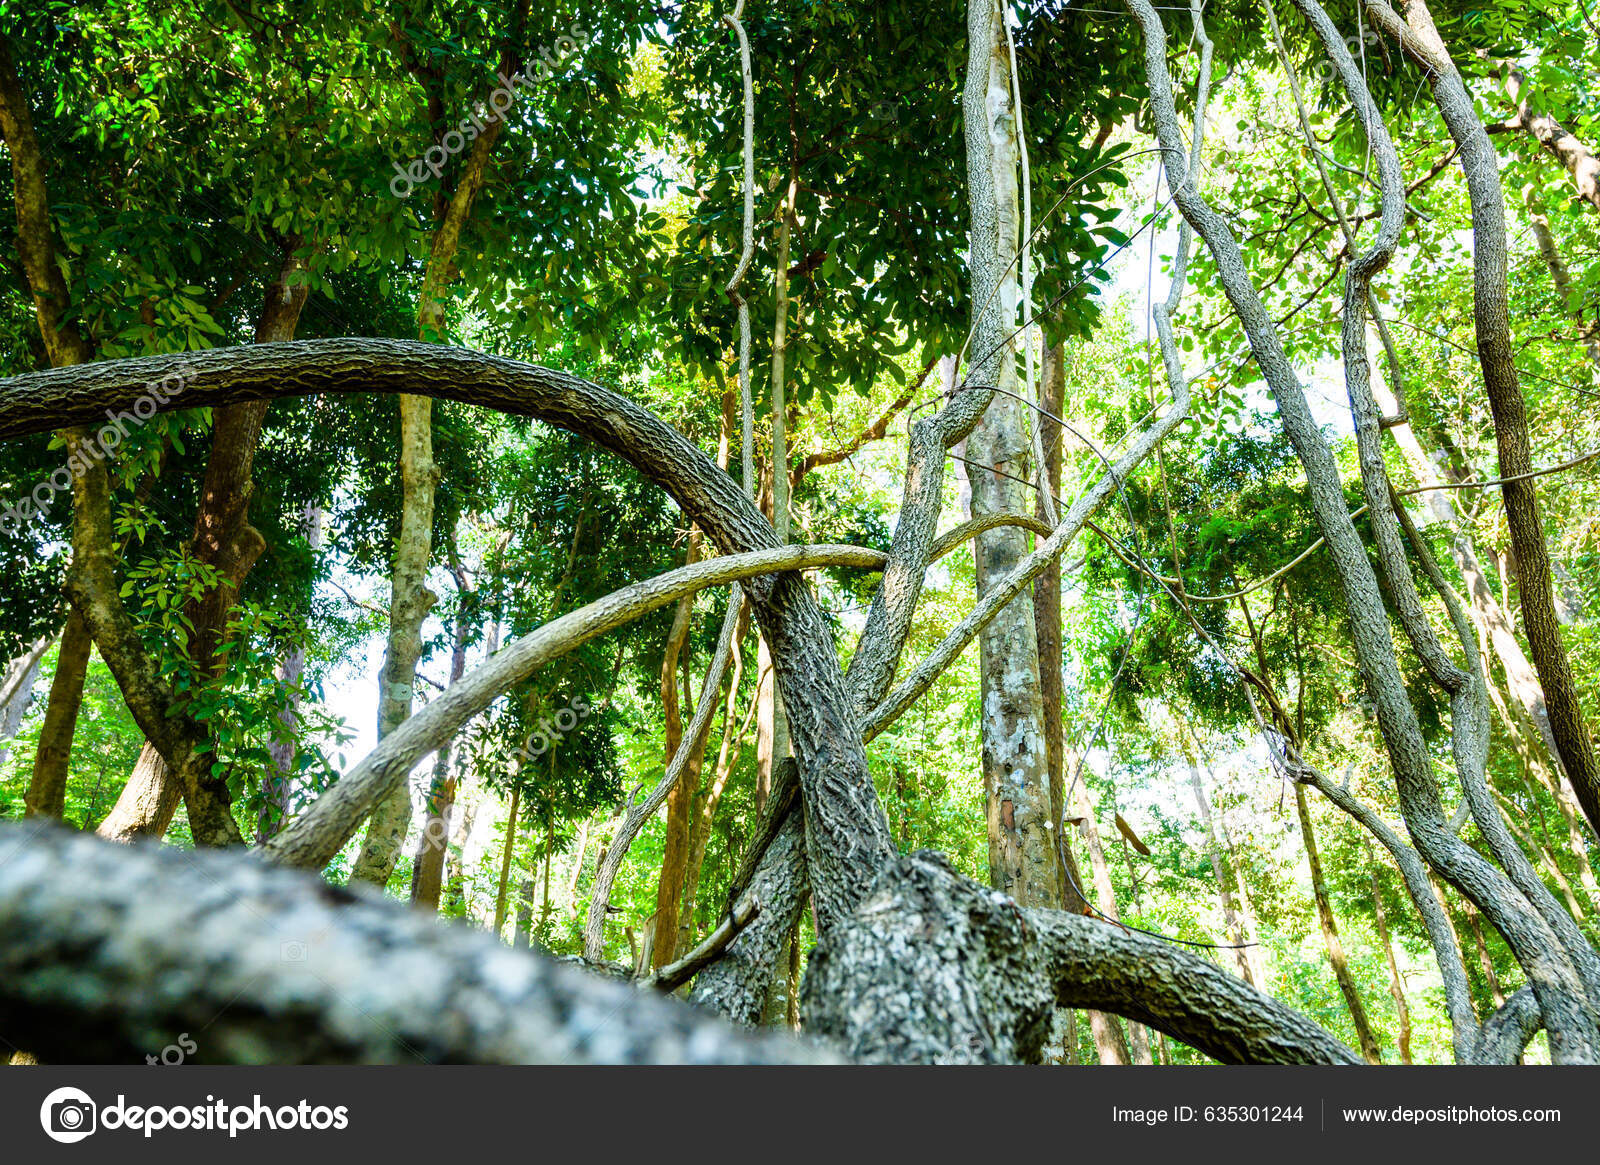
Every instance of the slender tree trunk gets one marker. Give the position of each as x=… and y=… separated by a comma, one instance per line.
x=505, y=861
x=455, y=876
x=1560, y=276
x=1397, y=986
x=522, y=928
x=1492, y=323
x=410, y=599
x=1330, y=933
x=47, y=791
x=675, y=855
x=579, y=849
x=1047, y=628
x=427, y=867
x=1219, y=870
x=1574, y=155
x=1107, y=1030
x=780, y=420
x=16, y=689
x=1490, y=616
x=1022, y=855
x=278, y=780
x=64, y=345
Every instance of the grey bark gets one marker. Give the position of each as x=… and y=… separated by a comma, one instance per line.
x=1572, y=1032
x=936, y=969
x=276, y=966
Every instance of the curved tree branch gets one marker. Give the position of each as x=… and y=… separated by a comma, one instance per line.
x=270, y=965
x=847, y=832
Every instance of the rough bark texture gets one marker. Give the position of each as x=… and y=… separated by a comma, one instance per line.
x=833, y=763
x=1560, y=992
x=1022, y=851
x=935, y=969
x=111, y=949
x=1492, y=323
x=846, y=837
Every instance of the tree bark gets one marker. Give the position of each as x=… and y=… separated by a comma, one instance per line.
x=1047, y=628
x=885, y=990
x=47, y=790
x=1576, y=158
x=224, y=540
x=1548, y=962
x=65, y=345
x=1397, y=986
x=148, y=802
x=505, y=861
x=1330, y=934
x=276, y=967
x=427, y=867
x=1022, y=854
x=1491, y=319
x=410, y=600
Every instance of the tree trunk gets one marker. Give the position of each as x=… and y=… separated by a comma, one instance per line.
x=777, y=723
x=148, y=801
x=505, y=861
x=427, y=868
x=1022, y=855
x=1492, y=322
x=1397, y=986
x=1047, y=629
x=277, y=783
x=523, y=927
x=224, y=540
x=1219, y=870
x=1575, y=157
x=1108, y=1038
x=680, y=801
x=16, y=689
x=455, y=876
x=1330, y=934
x=410, y=600
x=47, y=791
x=1560, y=276
x=65, y=345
